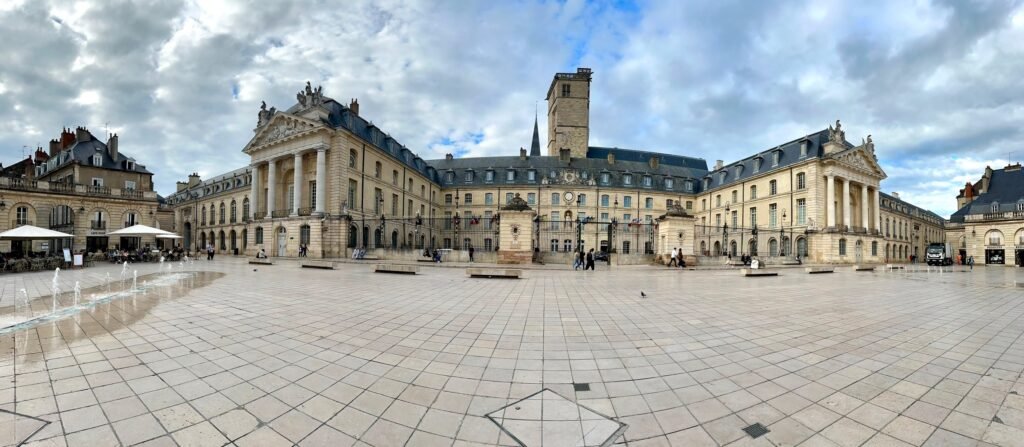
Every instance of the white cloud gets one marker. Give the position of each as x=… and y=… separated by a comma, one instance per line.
x=182, y=80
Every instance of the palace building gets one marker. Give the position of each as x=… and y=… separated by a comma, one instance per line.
x=323, y=175
x=989, y=224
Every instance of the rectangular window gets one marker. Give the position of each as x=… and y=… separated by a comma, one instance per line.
x=647, y=181
x=773, y=188
x=394, y=204
x=467, y=199
x=489, y=176
x=753, y=217
x=669, y=183
x=489, y=198
x=554, y=220
x=604, y=200
x=565, y=89
x=735, y=196
x=627, y=218
x=649, y=203
x=488, y=215
x=312, y=194
x=531, y=198
x=735, y=219
x=469, y=176
x=772, y=209
x=627, y=201
x=510, y=175
x=604, y=178
x=447, y=199
x=96, y=181
x=97, y=160
x=775, y=158
x=378, y=201
x=689, y=204
x=718, y=200
x=129, y=185
x=718, y=220
x=801, y=181
x=394, y=178
x=555, y=198
x=582, y=200
x=753, y=192
x=627, y=179
x=353, y=186
x=801, y=211
x=688, y=186
x=531, y=175
x=604, y=218
x=409, y=208
x=291, y=197
x=508, y=197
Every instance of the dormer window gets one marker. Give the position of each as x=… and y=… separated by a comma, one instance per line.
x=450, y=177
x=721, y=177
x=584, y=175
x=627, y=179
x=757, y=164
x=669, y=183
x=510, y=175
x=775, y=157
x=995, y=207
x=647, y=181
x=130, y=165
x=489, y=176
x=688, y=186
x=605, y=177
x=97, y=160
x=469, y=176
x=707, y=183
x=531, y=175
x=738, y=170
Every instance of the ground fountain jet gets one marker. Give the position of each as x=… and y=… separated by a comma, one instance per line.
x=135, y=278
x=78, y=292
x=124, y=271
x=56, y=288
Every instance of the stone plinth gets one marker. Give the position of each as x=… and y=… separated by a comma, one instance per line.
x=515, y=243
x=675, y=230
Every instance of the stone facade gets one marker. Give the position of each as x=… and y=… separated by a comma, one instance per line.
x=322, y=175
x=989, y=226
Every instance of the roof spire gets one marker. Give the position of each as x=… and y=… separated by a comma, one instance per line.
x=535, y=146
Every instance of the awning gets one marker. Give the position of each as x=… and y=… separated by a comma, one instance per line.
x=29, y=233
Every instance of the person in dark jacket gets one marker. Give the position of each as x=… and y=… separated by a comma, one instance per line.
x=590, y=260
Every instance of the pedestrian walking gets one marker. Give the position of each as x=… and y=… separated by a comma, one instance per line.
x=672, y=262
x=590, y=260
x=209, y=252
x=577, y=260
x=970, y=262
x=471, y=250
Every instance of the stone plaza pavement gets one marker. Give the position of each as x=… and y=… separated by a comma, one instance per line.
x=278, y=355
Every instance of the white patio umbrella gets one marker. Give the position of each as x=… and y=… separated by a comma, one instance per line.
x=139, y=231
x=30, y=233
x=168, y=236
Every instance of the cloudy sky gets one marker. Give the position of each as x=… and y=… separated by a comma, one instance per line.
x=938, y=84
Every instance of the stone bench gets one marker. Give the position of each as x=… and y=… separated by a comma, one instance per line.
x=863, y=268
x=814, y=270
x=396, y=268
x=367, y=258
x=758, y=272
x=892, y=267
x=494, y=273
x=261, y=261
x=327, y=265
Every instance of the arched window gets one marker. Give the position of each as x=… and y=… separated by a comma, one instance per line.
x=801, y=180
x=842, y=247
x=222, y=207
x=223, y=245
x=245, y=209
x=131, y=218
x=773, y=188
x=259, y=235
x=203, y=220
x=21, y=216
x=874, y=248
x=376, y=169
x=994, y=237
x=773, y=247
x=234, y=212
x=304, y=234
x=801, y=247
x=353, y=158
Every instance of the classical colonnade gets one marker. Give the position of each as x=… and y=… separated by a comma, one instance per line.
x=272, y=166
x=869, y=194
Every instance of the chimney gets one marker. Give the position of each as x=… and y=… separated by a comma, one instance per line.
x=181, y=186
x=522, y=154
x=82, y=134
x=448, y=156
x=718, y=164
x=41, y=156
x=193, y=180
x=896, y=195
x=985, y=179
x=564, y=155
x=653, y=161
x=54, y=147
x=67, y=138
x=354, y=106
x=112, y=147
x=611, y=159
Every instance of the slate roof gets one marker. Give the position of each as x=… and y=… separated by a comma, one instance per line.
x=695, y=164
x=1005, y=188
x=228, y=181
x=790, y=154
x=903, y=207
x=82, y=151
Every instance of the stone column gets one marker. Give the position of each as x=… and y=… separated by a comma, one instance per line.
x=846, y=203
x=864, y=207
x=878, y=212
x=297, y=185
x=254, y=193
x=271, y=186
x=830, y=197
x=321, y=180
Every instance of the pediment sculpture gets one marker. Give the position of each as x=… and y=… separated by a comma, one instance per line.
x=310, y=97
x=264, y=115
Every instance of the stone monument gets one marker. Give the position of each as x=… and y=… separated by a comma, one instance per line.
x=676, y=230
x=515, y=240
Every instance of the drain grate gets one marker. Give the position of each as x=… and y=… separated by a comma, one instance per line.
x=756, y=431
x=581, y=386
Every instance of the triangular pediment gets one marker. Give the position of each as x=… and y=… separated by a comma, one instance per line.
x=282, y=127
x=862, y=160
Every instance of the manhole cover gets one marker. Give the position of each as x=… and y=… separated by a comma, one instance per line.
x=16, y=428
x=546, y=418
x=581, y=387
x=756, y=430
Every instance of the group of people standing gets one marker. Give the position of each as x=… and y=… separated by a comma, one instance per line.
x=585, y=260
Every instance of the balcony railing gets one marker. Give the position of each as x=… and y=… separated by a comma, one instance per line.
x=19, y=222
x=97, y=225
x=280, y=213
x=62, y=187
x=131, y=193
x=23, y=184
x=97, y=190
x=305, y=211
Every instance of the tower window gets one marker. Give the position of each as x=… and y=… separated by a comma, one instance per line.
x=565, y=89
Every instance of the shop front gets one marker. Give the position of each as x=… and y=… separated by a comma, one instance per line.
x=995, y=256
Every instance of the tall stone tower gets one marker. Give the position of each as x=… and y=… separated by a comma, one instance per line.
x=569, y=113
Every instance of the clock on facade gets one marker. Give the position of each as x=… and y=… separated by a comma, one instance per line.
x=568, y=197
